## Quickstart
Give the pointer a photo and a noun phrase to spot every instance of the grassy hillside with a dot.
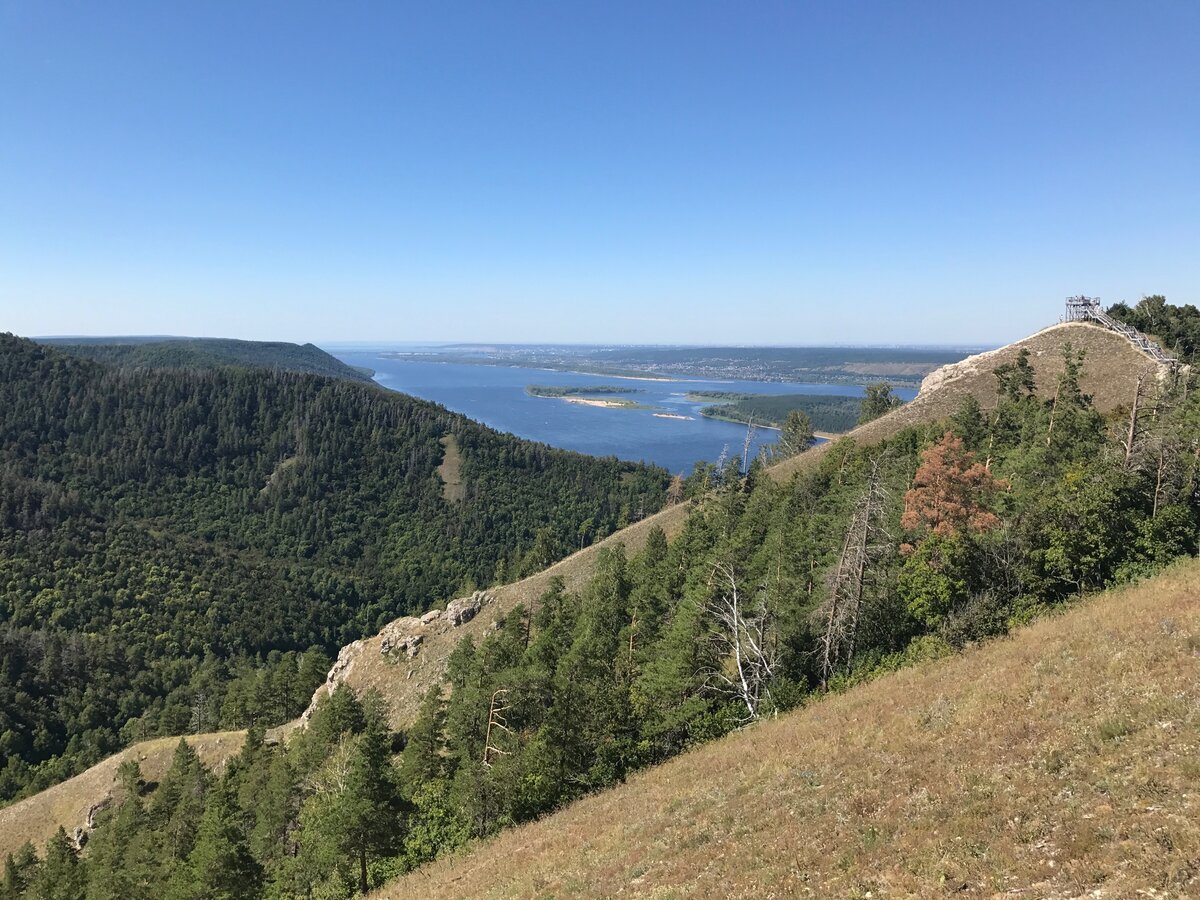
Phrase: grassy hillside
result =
(1110, 372)
(1054, 763)
(209, 353)
(68, 803)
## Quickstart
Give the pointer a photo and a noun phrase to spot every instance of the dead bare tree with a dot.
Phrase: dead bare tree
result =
(865, 538)
(1156, 450)
(496, 724)
(1134, 431)
(747, 652)
(746, 446)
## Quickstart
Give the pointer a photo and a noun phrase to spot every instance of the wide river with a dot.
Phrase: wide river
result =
(496, 396)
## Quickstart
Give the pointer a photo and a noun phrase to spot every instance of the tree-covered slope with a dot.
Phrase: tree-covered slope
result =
(1058, 763)
(172, 543)
(209, 353)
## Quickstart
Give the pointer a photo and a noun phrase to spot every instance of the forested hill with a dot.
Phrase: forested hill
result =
(172, 542)
(208, 353)
(1009, 487)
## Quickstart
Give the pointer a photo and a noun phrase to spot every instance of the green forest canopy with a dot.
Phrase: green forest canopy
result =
(209, 353)
(181, 550)
(1177, 327)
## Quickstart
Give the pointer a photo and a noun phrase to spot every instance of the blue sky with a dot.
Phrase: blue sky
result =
(636, 172)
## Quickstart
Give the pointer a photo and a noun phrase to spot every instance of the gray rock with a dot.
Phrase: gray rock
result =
(464, 610)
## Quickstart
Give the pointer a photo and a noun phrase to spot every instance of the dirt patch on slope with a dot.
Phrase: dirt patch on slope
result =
(450, 471)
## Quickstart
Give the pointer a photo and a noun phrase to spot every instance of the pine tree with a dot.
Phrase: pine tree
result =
(950, 491)
(276, 807)
(1016, 379)
(354, 814)
(19, 869)
(60, 876)
(424, 753)
(220, 866)
(970, 424)
(797, 433)
(877, 401)
(178, 805)
(667, 695)
(125, 856)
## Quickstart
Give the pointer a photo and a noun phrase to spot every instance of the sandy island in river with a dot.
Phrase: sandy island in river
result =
(673, 416)
(593, 401)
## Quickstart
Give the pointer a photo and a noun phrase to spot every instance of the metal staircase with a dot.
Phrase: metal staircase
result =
(1088, 309)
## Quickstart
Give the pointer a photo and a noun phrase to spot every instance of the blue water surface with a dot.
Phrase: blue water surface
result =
(496, 396)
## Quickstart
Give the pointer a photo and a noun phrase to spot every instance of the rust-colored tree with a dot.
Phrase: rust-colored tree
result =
(950, 492)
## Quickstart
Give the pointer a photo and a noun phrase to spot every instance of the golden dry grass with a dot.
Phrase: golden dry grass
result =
(450, 470)
(1063, 761)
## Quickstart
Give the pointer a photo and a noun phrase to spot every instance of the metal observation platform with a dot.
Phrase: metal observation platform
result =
(1088, 309)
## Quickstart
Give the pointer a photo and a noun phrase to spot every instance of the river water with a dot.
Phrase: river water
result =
(496, 396)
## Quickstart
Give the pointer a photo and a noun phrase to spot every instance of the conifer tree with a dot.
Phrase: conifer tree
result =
(667, 693)
(19, 870)
(125, 856)
(796, 435)
(877, 401)
(372, 799)
(60, 875)
(178, 805)
(219, 866)
(424, 753)
(275, 809)
(950, 491)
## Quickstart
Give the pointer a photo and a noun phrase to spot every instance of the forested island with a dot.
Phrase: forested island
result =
(826, 413)
(550, 390)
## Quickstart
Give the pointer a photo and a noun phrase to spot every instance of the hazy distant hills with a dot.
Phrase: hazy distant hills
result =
(157, 352)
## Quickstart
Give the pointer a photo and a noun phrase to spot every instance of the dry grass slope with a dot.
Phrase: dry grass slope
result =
(1111, 368)
(1063, 761)
(38, 817)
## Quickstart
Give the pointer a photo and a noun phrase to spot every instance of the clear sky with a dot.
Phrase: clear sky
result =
(568, 171)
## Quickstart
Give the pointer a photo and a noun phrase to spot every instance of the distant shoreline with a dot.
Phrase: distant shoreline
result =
(623, 377)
